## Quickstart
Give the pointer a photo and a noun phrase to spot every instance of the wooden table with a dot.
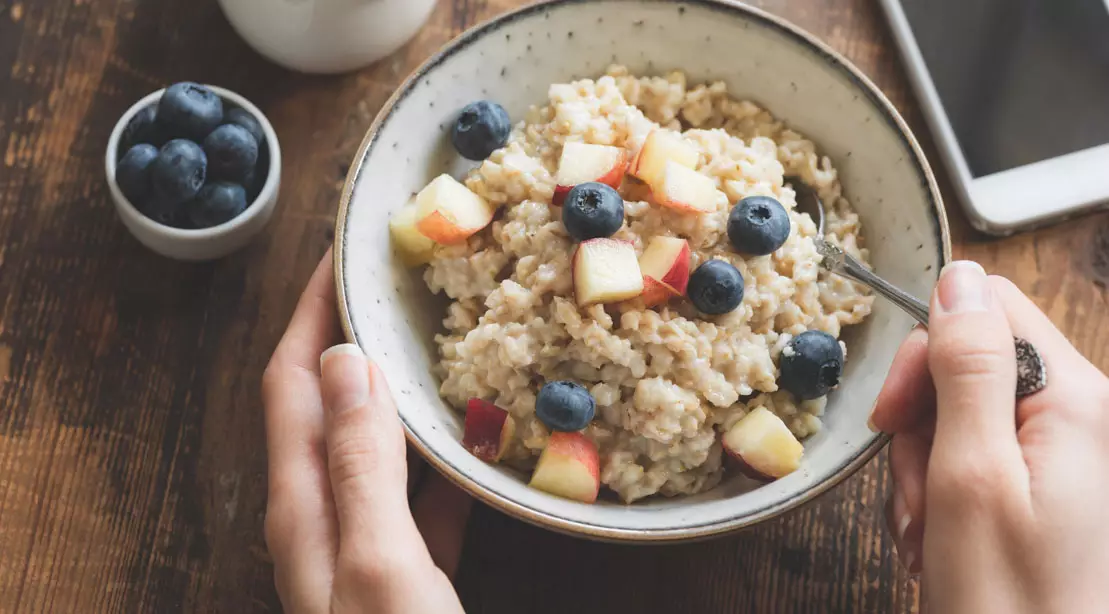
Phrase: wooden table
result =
(132, 456)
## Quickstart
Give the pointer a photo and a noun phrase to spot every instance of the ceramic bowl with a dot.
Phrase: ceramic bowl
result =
(206, 243)
(389, 312)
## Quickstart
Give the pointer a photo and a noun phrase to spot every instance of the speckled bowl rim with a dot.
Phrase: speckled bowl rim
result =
(584, 529)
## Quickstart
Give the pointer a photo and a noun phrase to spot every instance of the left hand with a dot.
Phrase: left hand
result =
(338, 521)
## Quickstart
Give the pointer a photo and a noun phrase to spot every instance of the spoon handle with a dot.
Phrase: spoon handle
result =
(1031, 371)
(854, 270)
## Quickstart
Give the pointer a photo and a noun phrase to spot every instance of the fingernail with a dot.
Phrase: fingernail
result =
(908, 560)
(963, 287)
(870, 419)
(903, 519)
(901, 514)
(903, 525)
(345, 377)
(344, 349)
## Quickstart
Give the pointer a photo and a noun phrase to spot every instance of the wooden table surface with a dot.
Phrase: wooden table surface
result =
(132, 458)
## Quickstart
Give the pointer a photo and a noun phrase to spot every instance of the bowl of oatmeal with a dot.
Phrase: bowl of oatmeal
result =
(571, 241)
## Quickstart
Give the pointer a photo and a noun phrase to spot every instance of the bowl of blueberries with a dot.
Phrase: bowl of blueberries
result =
(194, 171)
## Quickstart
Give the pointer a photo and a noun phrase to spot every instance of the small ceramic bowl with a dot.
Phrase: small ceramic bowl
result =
(206, 243)
(389, 312)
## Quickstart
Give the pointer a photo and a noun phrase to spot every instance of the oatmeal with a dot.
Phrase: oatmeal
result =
(668, 380)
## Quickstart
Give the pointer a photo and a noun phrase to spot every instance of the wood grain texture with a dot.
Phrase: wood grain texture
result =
(132, 460)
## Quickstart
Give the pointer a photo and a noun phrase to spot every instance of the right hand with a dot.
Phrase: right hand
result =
(1002, 504)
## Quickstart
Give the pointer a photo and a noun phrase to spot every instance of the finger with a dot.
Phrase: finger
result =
(442, 511)
(366, 458)
(908, 397)
(1067, 369)
(973, 364)
(908, 457)
(290, 385)
(315, 323)
(300, 528)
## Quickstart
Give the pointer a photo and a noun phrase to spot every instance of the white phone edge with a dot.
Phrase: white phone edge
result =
(1018, 199)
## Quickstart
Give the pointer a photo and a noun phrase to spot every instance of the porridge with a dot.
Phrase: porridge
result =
(631, 336)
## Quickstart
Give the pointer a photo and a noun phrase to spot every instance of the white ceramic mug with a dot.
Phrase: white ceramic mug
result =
(326, 36)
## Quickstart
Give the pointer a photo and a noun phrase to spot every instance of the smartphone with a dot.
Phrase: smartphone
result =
(1017, 95)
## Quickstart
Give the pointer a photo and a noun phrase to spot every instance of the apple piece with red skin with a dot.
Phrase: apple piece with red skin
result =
(606, 271)
(447, 212)
(585, 163)
(684, 189)
(660, 148)
(665, 264)
(764, 446)
(569, 467)
(488, 430)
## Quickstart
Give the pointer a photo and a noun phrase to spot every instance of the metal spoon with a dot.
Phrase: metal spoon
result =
(1031, 371)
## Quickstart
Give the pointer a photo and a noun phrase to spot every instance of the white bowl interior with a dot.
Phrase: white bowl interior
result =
(393, 317)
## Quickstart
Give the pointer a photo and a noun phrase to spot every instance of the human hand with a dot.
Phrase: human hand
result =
(1001, 503)
(338, 522)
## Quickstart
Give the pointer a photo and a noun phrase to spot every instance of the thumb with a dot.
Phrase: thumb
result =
(973, 365)
(365, 455)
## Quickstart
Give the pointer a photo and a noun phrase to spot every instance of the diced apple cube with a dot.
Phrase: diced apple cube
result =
(764, 446)
(488, 430)
(414, 248)
(584, 163)
(685, 189)
(662, 146)
(569, 467)
(448, 212)
(665, 268)
(606, 271)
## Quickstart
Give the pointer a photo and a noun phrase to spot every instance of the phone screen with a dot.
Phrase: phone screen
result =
(1020, 80)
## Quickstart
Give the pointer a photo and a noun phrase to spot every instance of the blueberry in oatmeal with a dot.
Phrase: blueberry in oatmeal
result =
(677, 335)
(715, 288)
(232, 154)
(189, 111)
(592, 210)
(178, 173)
(564, 406)
(132, 172)
(811, 365)
(758, 225)
(481, 128)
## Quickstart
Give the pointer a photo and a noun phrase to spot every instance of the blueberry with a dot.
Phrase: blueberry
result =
(251, 185)
(715, 288)
(565, 406)
(133, 173)
(481, 129)
(216, 204)
(141, 129)
(758, 225)
(243, 118)
(178, 172)
(180, 218)
(189, 111)
(811, 365)
(232, 154)
(592, 210)
(164, 212)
